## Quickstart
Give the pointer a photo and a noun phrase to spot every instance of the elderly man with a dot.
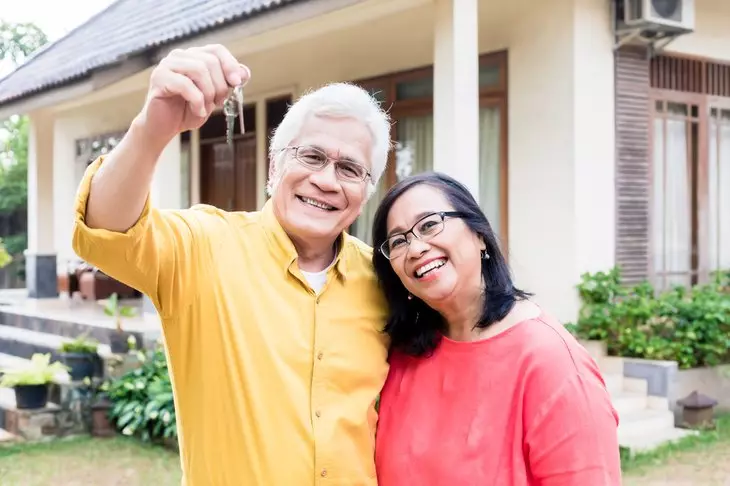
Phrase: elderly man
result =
(272, 320)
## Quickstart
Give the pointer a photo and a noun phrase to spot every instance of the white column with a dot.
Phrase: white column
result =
(456, 91)
(195, 167)
(41, 253)
(167, 181)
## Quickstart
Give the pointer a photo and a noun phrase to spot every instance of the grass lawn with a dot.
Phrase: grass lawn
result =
(86, 462)
(694, 461)
(702, 460)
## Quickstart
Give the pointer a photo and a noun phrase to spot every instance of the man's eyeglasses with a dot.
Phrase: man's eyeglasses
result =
(315, 159)
(424, 229)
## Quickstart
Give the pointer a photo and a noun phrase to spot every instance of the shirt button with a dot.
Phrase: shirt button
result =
(318, 413)
(324, 473)
(320, 355)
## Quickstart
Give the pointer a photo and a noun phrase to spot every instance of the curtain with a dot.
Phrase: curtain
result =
(672, 211)
(719, 191)
(490, 165)
(413, 154)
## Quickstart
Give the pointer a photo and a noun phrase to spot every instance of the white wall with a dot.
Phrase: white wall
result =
(712, 32)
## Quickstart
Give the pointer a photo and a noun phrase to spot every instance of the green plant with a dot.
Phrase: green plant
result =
(80, 345)
(5, 257)
(687, 325)
(142, 399)
(40, 371)
(114, 309)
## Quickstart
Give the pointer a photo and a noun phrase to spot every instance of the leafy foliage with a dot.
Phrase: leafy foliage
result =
(5, 257)
(40, 371)
(14, 165)
(80, 345)
(19, 40)
(690, 326)
(142, 399)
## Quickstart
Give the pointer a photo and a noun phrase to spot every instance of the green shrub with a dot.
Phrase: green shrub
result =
(142, 400)
(690, 326)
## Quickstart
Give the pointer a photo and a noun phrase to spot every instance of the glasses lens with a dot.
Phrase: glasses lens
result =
(311, 157)
(350, 171)
(429, 226)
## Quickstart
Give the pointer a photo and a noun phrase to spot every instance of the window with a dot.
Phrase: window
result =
(718, 188)
(409, 98)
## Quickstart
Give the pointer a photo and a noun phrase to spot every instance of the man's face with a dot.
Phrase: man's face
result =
(317, 205)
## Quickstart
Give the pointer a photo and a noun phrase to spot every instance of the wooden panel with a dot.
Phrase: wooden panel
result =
(245, 160)
(632, 164)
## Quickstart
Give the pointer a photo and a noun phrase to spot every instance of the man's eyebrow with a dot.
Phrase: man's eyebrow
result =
(419, 216)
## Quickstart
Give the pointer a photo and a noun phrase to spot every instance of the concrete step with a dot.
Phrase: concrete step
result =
(642, 443)
(98, 329)
(6, 436)
(614, 383)
(627, 403)
(638, 385)
(643, 423)
(24, 343)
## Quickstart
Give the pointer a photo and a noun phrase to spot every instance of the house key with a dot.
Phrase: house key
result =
(232, 107)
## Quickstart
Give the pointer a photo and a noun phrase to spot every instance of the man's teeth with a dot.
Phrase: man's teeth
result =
(429, 266)
(317, 204)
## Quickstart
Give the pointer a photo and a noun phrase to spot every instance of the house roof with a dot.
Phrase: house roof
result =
(124, 29)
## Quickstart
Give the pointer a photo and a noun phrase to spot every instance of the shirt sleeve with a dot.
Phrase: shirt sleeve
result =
(571, 433)
(163, 255)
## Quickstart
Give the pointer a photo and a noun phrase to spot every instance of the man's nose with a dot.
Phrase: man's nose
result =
(325, 178)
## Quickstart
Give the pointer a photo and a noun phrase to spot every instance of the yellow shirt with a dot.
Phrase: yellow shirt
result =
(274, 385)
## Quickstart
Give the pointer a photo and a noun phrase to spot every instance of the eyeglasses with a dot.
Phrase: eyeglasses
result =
(314, 159)
(424, 229)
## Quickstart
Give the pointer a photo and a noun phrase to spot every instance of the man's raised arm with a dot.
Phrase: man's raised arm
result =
(160, 253)
(185, 88)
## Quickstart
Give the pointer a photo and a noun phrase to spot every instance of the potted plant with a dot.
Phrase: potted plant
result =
(80, 356)
(31, 382)
(120, 340)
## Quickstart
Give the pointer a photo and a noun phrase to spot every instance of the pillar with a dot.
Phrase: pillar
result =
(40, 257)
(456, 91)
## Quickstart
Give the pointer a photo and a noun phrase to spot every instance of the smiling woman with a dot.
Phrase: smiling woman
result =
(473, 362)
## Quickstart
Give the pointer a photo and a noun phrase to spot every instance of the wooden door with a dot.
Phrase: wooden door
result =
(228, 174)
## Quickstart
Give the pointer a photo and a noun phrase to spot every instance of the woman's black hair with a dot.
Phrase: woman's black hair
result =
(414, 327)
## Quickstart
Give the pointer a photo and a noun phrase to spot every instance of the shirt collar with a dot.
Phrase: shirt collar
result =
(283, 249)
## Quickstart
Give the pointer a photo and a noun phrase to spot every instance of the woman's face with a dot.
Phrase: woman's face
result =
(435, 269)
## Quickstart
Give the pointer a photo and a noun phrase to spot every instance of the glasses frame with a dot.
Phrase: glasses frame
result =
(327, 160)
(442, 214)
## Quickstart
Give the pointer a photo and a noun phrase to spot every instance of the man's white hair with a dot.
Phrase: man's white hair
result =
(337, 100)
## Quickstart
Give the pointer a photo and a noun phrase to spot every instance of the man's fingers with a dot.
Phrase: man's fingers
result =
(234, 72)
(215, 69)
(197, 70)
(171, 84)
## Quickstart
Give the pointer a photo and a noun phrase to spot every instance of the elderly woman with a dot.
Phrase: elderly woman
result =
(485, 387)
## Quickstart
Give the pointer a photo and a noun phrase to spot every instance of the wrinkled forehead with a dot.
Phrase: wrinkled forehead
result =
(338, 138)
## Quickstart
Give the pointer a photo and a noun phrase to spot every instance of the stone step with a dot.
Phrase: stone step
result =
(638, 385)
(6, 436)
(98, 329)
(614, 383)
(642, 443)
(627, 403)
(641, 423)
(23, 343)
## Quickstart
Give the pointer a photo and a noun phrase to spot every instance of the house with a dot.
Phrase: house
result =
(594, 132)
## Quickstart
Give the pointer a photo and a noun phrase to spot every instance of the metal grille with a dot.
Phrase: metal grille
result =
(690, 75)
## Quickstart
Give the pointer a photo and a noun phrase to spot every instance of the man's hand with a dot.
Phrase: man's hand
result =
(186, 87)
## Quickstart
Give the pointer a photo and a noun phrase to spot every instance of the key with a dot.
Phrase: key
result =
(229, 111)
(238, 93)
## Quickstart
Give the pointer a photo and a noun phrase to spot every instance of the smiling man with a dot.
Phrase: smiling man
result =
(272, 320)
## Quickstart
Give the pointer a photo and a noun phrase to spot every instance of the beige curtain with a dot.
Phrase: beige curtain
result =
(672, 205)
(719, 191)
(413, 154)
(489, 165)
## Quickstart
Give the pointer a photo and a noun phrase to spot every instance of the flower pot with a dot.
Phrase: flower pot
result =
(81, 365)
(30, 397)
(100, 424)
(119, 342)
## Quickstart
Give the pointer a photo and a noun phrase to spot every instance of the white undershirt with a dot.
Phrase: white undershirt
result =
(316, 280)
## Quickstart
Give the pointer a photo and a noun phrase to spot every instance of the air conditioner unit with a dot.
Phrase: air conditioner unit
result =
(658, 16)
